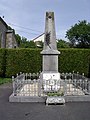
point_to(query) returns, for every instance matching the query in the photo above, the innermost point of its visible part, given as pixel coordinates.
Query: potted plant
(55, 98)
(56, 94)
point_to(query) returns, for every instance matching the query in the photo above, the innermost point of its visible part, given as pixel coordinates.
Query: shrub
(5, 80)
(2, 62)
(13, 61)
(22, 60)
(74, 60)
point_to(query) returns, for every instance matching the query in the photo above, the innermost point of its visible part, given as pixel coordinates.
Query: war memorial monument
(49, 85)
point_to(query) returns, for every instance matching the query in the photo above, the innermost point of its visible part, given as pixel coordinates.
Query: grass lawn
(5, 80)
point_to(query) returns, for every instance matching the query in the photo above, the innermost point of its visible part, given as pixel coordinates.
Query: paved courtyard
(38, 111)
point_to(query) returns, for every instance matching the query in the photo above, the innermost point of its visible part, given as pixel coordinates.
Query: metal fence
(69, 84)
(26, 84)
(72, 76)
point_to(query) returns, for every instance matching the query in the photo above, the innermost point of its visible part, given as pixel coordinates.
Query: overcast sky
(27, 17)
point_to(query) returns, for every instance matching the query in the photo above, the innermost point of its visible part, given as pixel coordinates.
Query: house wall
(10, 40)
(41, 38)
(3, 30)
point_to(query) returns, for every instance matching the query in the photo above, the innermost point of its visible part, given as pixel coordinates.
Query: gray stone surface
(32, 99)
(10, 39)
(78, 98)
(37, 99)
(3, 30)
(7, 37)
(50, 52)
(55, 100)
(38, 111)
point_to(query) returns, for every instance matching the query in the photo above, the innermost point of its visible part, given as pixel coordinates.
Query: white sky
(21, 14)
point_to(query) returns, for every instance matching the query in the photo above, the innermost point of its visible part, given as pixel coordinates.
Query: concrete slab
(31, 99)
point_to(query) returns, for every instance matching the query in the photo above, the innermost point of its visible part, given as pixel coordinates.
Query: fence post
(37, 75)
(89, 86)
(30, 76)
(14, 87)
(65, 86)
(20, 73)
(26, 76)
(72, 75)
(39, 87)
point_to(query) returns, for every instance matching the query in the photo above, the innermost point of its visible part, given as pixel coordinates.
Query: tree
(79, 34)
(27, 44)
(32, 44)
(62, 44)
(24, 43)
(18, 39)
(0, 39)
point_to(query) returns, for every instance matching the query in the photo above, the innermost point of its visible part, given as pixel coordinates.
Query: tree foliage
(27, 44)
(18, 39)
(79, 34)
(62, 44)
(24, 43)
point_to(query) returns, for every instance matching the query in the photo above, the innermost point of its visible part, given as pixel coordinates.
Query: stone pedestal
(55, 100)
(50, 52)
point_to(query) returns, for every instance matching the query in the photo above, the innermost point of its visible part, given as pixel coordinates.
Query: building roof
(4, 22)
(36, 39)
(10, 31)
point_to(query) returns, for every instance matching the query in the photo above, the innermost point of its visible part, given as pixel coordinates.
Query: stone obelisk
(50, 52)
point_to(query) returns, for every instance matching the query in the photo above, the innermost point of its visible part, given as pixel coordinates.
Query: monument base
(50, 81)
(50, 75)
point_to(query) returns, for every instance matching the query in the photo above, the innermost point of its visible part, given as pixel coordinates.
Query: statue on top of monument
(47, 39)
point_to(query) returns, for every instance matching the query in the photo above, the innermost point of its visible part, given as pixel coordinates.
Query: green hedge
(77, 60)
(2, 62)
(22, 60)
(13, 61)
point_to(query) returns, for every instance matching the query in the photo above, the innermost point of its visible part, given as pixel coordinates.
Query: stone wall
(7, 37)
(10, 39)
(3, 30)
